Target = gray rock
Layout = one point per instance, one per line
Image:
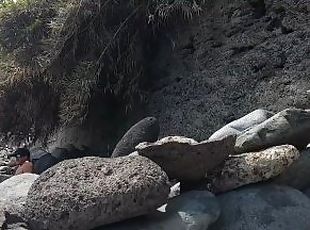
(267, 207)
(89, 192)
(307, 192)
(194, 210)
(297, 175)
(185, 159)
(146, 130)
(240, 125)
(175, 190)
(197, 209)
(13, 191)
(13, 195)
(290, 126)
(248, 168)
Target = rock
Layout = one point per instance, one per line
(13, 192)
(253, 167)
(297, 175)
(218, 70)
(290, 126)
(194, 210)
(197, 209)
(185, 159)
(240, 125)
(42, 160)
(307, 192)
(146, 130)
(268, 207)
(175, 190)
(89, 192)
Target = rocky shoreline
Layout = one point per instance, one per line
(250, 174)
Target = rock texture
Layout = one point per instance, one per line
(238, 56)
(248, 168)
(185, 159)
(297, 175)
(265, 207)
(291, 126)
(197, 209)
(13, 191)
(307, 192)
(146, 130)
(240, 125)
(89, 192)
(194, 210)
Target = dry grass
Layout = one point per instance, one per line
(55, 55)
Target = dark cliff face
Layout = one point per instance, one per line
(236, 57)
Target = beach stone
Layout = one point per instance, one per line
(268, 207)
(146, 130)
(186, 160)
(297, 175)
(194, 210)
(249, 168)
(89, 192)
(13, 191)
(175, 190)
(240, 125)
(290, 126)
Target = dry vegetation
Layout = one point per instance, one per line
(55, 55)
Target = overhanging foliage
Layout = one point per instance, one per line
(55, 55)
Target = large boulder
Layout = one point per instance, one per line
(197, 209)
(89, 192)
(297, 175)
(194, 210)
(146, 130)
(307, 192)
(13, 195)
(240, 125)
(267, 207)
(13, 191)
(290, 126)
(185, 159)
(248, 168)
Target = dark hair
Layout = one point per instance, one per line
(21, 152)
